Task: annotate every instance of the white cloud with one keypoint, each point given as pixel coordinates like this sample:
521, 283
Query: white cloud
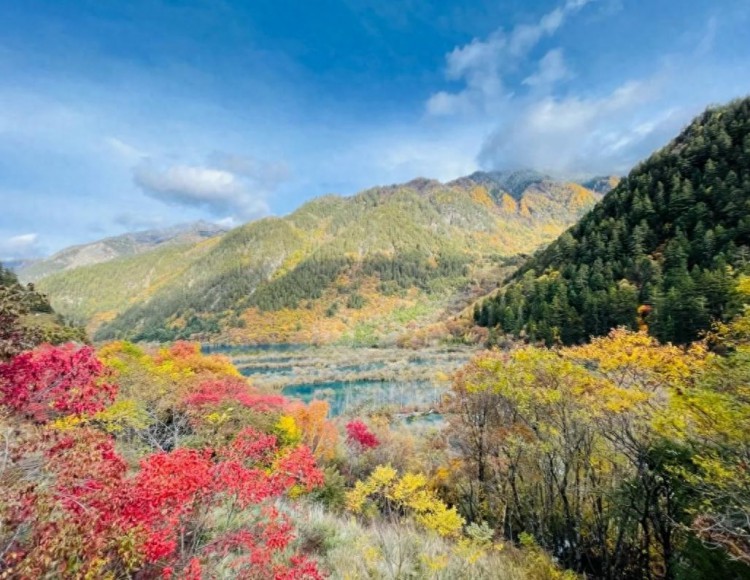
537, 123
232, 187
20, 247
188, 183
125, 151
481, 64
227, 222
218, 190
478, 65
583, 134
706, 43
552, 69
525, 36
23, 240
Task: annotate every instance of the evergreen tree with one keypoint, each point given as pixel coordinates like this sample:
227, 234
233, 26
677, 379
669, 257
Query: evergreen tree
673, 236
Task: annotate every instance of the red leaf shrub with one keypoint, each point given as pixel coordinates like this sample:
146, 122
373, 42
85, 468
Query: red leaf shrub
233, 390
250, 445
67, 506
184, 349
71, 507
359, 434
175, 490
298, 468
164, 494
94, 513
53, 381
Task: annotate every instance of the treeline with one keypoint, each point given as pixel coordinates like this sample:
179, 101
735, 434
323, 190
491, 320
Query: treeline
307, 281
663, 248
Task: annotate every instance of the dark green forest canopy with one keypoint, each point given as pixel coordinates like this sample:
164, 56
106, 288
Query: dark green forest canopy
665, 246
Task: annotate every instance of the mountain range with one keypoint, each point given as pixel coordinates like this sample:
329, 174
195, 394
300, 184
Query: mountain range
663, 249
351, 269
128, 244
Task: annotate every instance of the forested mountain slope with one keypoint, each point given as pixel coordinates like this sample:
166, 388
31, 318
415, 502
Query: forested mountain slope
662, 249
337, 267
128, 244
92, 295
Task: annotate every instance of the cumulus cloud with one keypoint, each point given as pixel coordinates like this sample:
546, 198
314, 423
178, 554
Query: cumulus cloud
188, 184
20, 247
228, 186
482, 64
535, 122
583, 134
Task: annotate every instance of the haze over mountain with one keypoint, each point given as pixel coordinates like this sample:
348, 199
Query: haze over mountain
337, 266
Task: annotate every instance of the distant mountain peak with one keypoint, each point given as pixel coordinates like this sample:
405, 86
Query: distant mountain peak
127, 244
392, 246
601, 184
513, 182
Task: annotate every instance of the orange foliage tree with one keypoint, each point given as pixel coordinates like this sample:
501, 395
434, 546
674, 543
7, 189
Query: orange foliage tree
317, 432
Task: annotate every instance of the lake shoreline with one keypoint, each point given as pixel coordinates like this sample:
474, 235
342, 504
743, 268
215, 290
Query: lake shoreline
354, 380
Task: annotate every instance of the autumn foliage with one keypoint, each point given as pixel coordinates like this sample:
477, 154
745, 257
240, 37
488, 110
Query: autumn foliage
359, 434
625, 457
73, 507
228, 390
384, 491
319, 434
50, 382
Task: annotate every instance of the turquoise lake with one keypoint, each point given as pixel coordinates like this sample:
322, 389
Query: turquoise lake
354, 381
358, 397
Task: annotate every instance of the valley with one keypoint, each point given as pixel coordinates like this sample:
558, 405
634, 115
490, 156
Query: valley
502, 376
375, 290
355, 270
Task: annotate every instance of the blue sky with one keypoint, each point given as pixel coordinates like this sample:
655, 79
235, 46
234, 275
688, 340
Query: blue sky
117, 116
